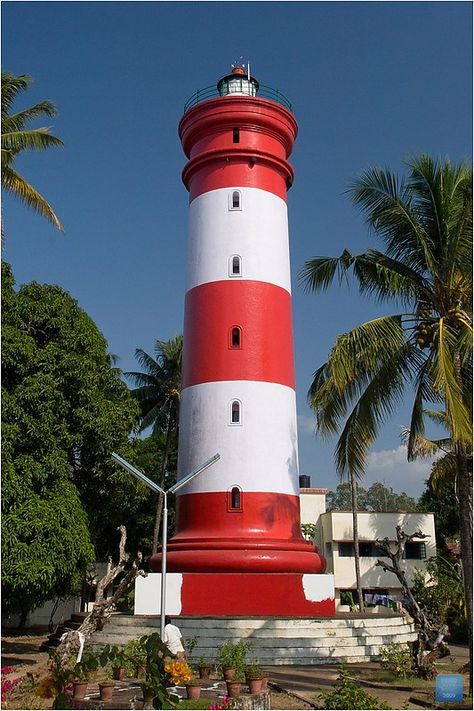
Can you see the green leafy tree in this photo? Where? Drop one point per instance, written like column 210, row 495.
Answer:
column 439, row 592
column 383, row 498
column 158, row 395
column 64, row 409
column 439, row 497
column 377, row 497
column 425, row 224
column 340, row 499
column 17, row 137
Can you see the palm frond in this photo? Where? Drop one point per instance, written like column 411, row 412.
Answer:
column 387, row 203
column 422, row 447
column 445, row 380
column 11, row 86
column 318, row 273
column 387, row 278
column 38, row 139
column 375, row 405
column 18, row 121
column 14, row 183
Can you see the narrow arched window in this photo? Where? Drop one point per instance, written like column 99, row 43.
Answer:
column 235, row 337
column 234, row 499
column 236, row 265
column 235, row 200
column 235, row 413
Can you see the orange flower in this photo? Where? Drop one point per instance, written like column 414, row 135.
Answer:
column 179, row 671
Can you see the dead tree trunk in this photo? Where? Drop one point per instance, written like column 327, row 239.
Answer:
column 103, row 607
column 427, row 631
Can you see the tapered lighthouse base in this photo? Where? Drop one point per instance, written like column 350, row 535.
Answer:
column 222, row 594
column 241, row 556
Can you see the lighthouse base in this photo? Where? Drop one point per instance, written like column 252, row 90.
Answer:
column 222, row 594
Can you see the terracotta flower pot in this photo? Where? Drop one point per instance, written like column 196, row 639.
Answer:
column 106, row 689
column 229, row 673
column 233, row 688
column 193, row 691
column 204, row 672
column 118, row 673
column 79, row 689
column 264, row 683
column 255, row 685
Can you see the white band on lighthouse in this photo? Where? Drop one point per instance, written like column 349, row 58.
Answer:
column 260, row 453
column 257, row 232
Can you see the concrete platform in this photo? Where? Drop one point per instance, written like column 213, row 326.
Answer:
column 276, row 640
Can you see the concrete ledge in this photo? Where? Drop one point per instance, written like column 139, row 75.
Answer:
column 275, row 641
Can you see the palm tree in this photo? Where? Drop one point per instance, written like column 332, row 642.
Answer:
column 425, row 224
column 16, row 137
column 158, row 394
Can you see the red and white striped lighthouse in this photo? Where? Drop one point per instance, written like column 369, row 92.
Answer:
column 241, row 516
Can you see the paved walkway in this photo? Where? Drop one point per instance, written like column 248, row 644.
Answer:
column 305, row 682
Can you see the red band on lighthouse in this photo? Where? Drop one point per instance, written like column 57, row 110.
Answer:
column 247, row 335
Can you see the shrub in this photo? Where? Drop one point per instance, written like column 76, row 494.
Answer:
column 347, row 694
column 397, row 659
column 135, row 656
column 233, row 655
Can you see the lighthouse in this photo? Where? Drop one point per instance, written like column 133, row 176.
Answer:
column 238, row 536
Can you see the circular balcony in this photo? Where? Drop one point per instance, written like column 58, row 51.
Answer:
column 259, row 91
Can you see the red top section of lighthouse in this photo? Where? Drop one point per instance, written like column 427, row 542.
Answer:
column 243, row 137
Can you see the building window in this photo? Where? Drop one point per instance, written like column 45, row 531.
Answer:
column 415, row 551
column 236, row 135
column 236, row 413
column 235, row 200
column 367, row 549
column 235, row 337
column 234, row 499
column 235, row 266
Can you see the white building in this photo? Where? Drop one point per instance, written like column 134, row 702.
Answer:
column 335, row 539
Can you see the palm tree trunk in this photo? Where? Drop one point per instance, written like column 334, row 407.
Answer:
column 355, row 527
column 464, row 485
column 159, row 505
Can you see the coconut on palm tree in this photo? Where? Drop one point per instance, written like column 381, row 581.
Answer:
column 17, row 137
column 158, row 394
column 425, row 224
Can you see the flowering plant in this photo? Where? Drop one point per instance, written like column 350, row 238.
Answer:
column 8, row 685
column 223, row 705
column 179, row 671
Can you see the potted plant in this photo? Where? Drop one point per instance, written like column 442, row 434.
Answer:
column 135, row 659
column 254, row 678
column 106, row 689
column 234, row 684
column 118, row 657
column 81, row 673
column 193, row 688
column 154, row 689
column 106, row 686
column 231, row 657
column 204, row 666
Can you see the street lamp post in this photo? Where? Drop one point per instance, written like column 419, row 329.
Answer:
column 158, row 490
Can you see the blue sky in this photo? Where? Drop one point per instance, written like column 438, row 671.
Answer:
column 371, row 83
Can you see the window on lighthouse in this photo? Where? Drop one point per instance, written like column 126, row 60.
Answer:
column 234, row 499
column 236, row 413
column 235, row 200
column 235, row 265
column 236, row 337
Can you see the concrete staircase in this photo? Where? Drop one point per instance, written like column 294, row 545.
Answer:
column 349, row 637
